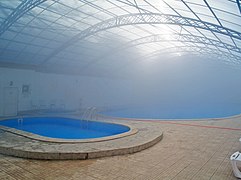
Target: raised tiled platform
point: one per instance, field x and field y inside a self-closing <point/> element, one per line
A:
<point x="20" y="146"/>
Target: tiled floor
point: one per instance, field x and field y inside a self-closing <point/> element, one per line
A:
<point x="195" y="150"/>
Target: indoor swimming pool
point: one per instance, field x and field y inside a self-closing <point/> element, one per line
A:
<point x="65" y="128"/>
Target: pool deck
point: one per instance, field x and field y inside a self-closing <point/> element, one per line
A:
<point x="27" y="145"/>
<point x="188" y="150"/>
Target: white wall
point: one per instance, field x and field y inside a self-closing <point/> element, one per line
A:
<point x="53" y="88"/>
<point x="175" y="82"/>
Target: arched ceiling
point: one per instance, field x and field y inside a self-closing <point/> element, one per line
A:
<point x="75" y="36"/>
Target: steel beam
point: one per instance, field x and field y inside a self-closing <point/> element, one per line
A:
<point x="144" y="18"/>
<point x="200" y="51"/>
<point x="18" y="12"/>
<point x="184" y="38"/>
<point x="239" y="5"/>
<point x="153" y="18"/>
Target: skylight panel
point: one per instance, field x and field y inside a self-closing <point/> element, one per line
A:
<point x="78" y="15"/>
<point x="126" y="32"/>
<point x="60" y="28"/>
<point x="187" y="14"/>
<point x="165" y="10"/>
<point x="224" y="5"/>
<point x="23" y="38"/>
<point x="9" y="35"/>
<point x="129" y="8"/>
<point x="47" y="34"/>
<point x="71" y="3"/>
<point x="9" y="55"/>
<point x="147" y="48"/>
<point x="190" y="30"/>
<point x="37" y="10"/>
<point x="207" y="34"/>
<point x="7" y="8"/>
<point x="89" y="9"/>
<point x="117" y="10"/>
<point x="31" y="48"/>
<point x="232" y="26"/>
<point x="102" y="4"/>
<point x="145" y="8"/>
<point x="80" y="26"/>
<point x="150" y="45"/>
<point x="178" y="6"/>
<point x="53" y="44"/>
<point x="160" y="44"/>
<point x="38" y="24"/>
<point x="32" y="31"/>
<point x="74" y="63"/>
<point x="60" y="37"/>
<point x="65" y="21"/>
<point x="140" y="30"/>
<point x="203" y="11"/>
<point x="46" y="4"/>
<point x="102" y="15"/>
<point x="15" y="46"/>
<point x="26" y="19"/>
<point x="179" y="43"/>
<point x="228" y="20"/>
<point x="4" y="13"/>
<point x="207" y="18"/>
<point x="91" y="20"/>
<point x="156" y="6"/>
<point x="40" y="41"/>
<point x="61" y="8"/>
<point x="44" y="51"/>
<point x="224" y="38"/>
<point x="161" y="28"/>
<point x="237" y="42"/>
<point x="237" y="54"/>
<point x="49" y="15"/>
<point x="26" y="57"/>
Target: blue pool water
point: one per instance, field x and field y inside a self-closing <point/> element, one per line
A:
<point x="174" y="112"/>
<point x="65" y="128"/>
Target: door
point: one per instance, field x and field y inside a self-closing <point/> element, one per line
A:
<point x="10" y="101"/>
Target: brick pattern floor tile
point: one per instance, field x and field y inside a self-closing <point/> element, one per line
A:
<point x="186" y="152"/>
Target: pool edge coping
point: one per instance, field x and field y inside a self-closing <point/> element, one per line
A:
<point x="153" y="119"/>
<point x="33" y="136"/>
<point x="79" y="155"/>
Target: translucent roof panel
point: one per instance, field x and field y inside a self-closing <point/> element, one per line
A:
<point x="108" y="35"/>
